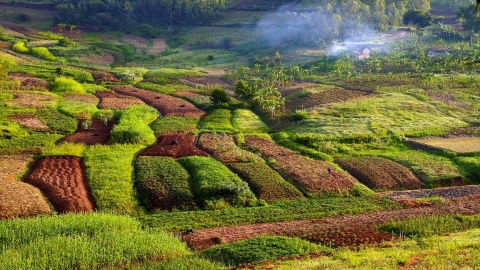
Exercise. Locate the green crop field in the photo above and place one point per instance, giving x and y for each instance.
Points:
(239, 134)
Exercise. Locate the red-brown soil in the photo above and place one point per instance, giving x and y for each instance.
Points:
(185, 94)
(30, 121)
(380, 173)
(30, 83)
(352, 237)
(12, 166)
(97, 133)
(174, 145)
(329, 229)
(224, 148)
(322, 98)
(165, 104)
(104, 58)
(31, 100)
(207, 81)
(103, 76)
(62, 180)
(114, 101)
(307, 174)
(18, 199)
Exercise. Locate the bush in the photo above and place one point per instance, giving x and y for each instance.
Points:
(260, 249)
(215, 185)
(219, 96)
(19, 46)
(43, 53)
(163, 183)
(67, 85)
(133, 126)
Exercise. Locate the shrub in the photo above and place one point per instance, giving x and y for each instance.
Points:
(215, 185)
(43, 53)
(217, 121)
(163, 183)
(219, 96)
(133, 126)
(67, 85)
(77, 74)
(266, 183)
(260, 249)
(19, 46)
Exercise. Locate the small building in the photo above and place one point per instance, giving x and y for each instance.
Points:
(439, 51)
(362, 53)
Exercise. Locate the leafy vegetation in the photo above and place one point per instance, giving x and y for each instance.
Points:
(259, 249)
(133, 126)
(67, 85)
(248, 122)
(162, 183)
(217, 121)
(174, 124)
(58, 121)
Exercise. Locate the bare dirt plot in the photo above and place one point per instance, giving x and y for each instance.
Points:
(380, 173)
(329, 96)
(156, 46)
(13, 165)
(62, 180)
(224, 148)
(165, 104)
(185, 94)
(338, 230)
(104, 58)
(103, 76)
(30, 83)
(307, 174)
(174, 145)
(18, 199)
(31, 100)
(457, 144)
(30, 121)
(81, 98)
(97, 133)
(114, 101)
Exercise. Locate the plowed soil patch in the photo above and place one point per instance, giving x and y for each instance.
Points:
(105, 58)
(165, 104)
(12, 165)
(186, 94)
(174, 145)
(103, 76)
(30, 121)
(18, 199)
(30, 83)
(307, 174)
(81, 98)
(114, 101)
(31, 100)
(224, 148)
(329, 96)
(331, 228)
(62, 180)
(380, 173)
(98, 133)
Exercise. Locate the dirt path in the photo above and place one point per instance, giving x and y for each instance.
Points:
(344, 225)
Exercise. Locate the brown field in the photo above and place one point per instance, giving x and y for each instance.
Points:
(329, 96)
(30, 83)
(31, 100)
(11, 166)
(334, 230)
(98, 133)
(62, 180)
(114, 101)
(380, 173)
(30, 121)
(174, 145)
(165, 104)
(141, 44)
(18, 199)
(449, 99)
(104, 58)
(224, 148)
(103, 76)
(185, 94)
(81, 98)
(457, 144)
(307, 174)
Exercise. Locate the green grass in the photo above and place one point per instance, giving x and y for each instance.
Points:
(217, 121)
(215, 186)
(162, 183)
(180, 263)
(82, 241)
(258, 249)
(92, 88)
(109, 172)
(67, 85)
(78, 108)
(470, 166)
(133, 126)
(58, 121)
(248, 122)
(265, 182)
(162, 89)
(34, 140)
(174, 124)
(64, 149)
(376, 116)
(283, 211)
(432, 225)
(171, 73)
(42, 53)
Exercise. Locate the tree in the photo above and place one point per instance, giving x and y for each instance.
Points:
(244, 90)
(469, 18)
(417, 17)
(219, 96)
